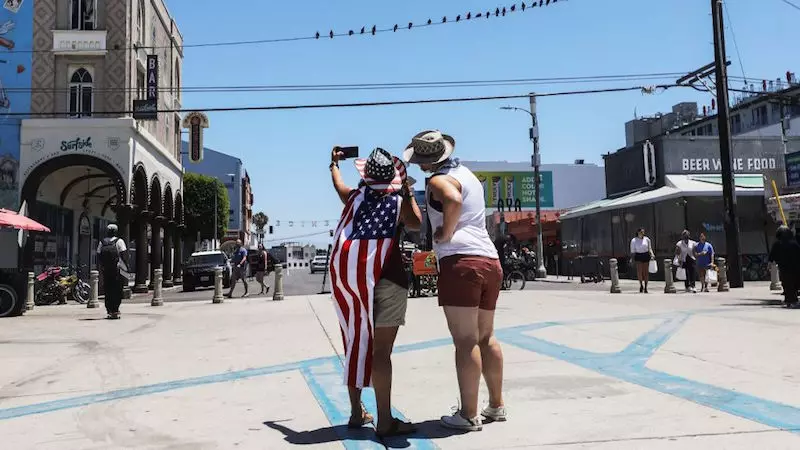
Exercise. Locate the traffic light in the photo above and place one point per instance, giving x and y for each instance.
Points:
(270, 229)
(331, 232)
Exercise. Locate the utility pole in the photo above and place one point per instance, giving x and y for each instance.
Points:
(541, 272)
(216, 211)
(723, 123)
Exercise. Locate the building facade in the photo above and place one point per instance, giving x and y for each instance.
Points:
(83, 160)
(229, 171)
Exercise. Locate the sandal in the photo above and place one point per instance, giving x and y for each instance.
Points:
(398, 428)
(366, 419)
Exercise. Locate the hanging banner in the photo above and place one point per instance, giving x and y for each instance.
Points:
(196, 122)
(148, 109)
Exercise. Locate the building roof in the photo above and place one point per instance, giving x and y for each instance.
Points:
(676, 186)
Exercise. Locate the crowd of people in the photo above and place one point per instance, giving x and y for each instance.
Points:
(469, 278)
(692, 261)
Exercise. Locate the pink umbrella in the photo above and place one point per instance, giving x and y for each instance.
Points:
(10, 219)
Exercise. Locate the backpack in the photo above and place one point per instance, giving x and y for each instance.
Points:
(109, 255)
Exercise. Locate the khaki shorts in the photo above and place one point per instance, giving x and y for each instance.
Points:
(390, 304)
(469, 281)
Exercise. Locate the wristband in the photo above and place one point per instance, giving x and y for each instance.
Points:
(333, 164)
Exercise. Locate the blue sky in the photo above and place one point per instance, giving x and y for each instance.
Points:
(286, 152)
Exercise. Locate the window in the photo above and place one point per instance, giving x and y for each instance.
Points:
(141, 86)
(140, 31)
(760, 117)
(177, 80)
(82, 14)
(736, 124)
(81, 98)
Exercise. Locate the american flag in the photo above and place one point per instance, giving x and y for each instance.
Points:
(394, 186)
(364, 237)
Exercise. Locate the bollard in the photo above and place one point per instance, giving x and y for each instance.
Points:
(774, 276)
(722, 281)
(278, 294)
(218, 285)
(612, 264)
(669, 287)
(158, 300)
(31, 293)
(94, 276)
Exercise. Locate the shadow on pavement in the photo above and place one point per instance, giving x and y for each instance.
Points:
(426, 430)
(757, 302)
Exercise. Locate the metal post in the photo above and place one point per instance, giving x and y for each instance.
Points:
(541, 272)
(324, 274)
(158, 300)
(775, 279)
(612, 264)
(94, 277)
(722, 278)
(218, 285)
(30, 297)
(278, 294)
(669, 287)
(216, 212)
(723, 123)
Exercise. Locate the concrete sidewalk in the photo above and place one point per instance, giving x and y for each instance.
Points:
(584, 369)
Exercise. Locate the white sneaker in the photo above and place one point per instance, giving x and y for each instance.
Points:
(495, 414)
(458, 422)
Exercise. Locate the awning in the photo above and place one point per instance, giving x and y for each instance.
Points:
(676, 186)
(527, 216)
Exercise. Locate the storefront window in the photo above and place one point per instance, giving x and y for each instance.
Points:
(670, 222)
(705, 214)
(597, 234)
(54, 248)
(633, 219)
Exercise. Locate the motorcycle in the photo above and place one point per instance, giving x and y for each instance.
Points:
(56, 283)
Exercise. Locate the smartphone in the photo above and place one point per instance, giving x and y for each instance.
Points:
(349, 152)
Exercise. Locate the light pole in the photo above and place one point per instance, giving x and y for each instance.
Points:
(541, 272)
(216, 210)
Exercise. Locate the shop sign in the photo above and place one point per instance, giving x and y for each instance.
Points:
(148, 109)
(698, 156)
(76, 144)
(516, 189)
(792, 164)
(85, 228)
(196, 122)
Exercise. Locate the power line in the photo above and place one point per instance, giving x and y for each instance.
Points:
(735, 43)
(644, 89)
(791, 4)
(381, 86)
(355, 32)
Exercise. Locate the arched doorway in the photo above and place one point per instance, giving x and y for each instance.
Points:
(68, 194)
(140, 201)
(156, 209)
(169, 233)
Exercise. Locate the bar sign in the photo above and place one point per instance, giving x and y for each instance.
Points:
(152, 77)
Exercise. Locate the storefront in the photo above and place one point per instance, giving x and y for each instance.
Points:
(77, 176)
(674, 184)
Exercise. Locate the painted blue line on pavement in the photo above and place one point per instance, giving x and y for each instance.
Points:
(326, 384)
(629, 365)
(85, 400)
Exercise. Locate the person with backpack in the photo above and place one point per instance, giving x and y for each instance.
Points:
(113, 257)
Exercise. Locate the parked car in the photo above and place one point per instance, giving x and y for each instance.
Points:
(319, 264)
(199, 270)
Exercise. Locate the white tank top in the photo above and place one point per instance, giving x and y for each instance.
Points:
(470, 237)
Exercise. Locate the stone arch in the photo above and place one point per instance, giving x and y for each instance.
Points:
(139, 188)
(168, 202)
(178, 208)
(156, 205)
(34, 180)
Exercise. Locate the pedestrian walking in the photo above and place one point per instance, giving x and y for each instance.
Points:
(113, 256)
(642, 254)
(470, 275)
(260, 269)
(785, 253)
(705, 260)
(238, 268)
(685, 251)
(368, 279)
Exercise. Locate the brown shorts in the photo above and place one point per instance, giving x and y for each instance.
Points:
(469, 281)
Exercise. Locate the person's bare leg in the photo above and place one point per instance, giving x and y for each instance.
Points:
(382, 374)
(491, 358)
(646, 274)
(463, 324)
(356, 411)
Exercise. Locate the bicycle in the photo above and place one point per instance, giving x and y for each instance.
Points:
(513, 277)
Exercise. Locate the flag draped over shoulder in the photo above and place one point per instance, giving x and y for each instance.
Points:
(362, 242)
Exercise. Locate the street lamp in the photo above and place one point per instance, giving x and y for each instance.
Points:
(541, 272)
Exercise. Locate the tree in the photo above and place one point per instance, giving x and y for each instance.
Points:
(198, 205)
(260, 221)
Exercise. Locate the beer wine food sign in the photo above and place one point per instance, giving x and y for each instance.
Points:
(515, 186)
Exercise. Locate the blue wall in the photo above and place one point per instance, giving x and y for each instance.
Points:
(15, 74)
(220, 165)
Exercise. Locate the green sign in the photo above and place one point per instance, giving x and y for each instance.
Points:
(512, 186)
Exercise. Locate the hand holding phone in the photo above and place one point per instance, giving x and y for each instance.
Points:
(349, 152)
